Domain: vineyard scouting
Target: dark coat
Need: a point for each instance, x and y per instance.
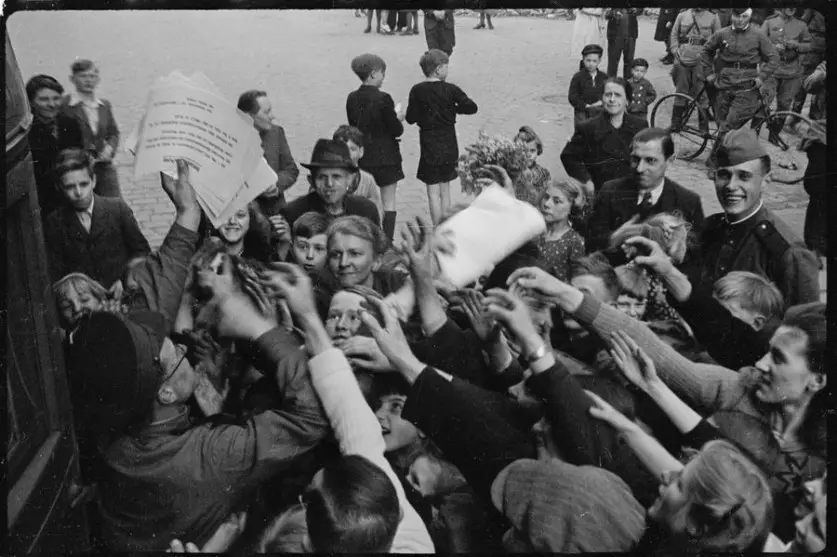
(614, 25)
(107, 133)
(667, 15)
(598, 152)
(373, 112)
(617, 202)
(278, 155)
(45, 148)
(113, 240)
(352, 205)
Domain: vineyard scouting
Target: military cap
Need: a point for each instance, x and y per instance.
(739, 146)
(742, 11)
(592, 49)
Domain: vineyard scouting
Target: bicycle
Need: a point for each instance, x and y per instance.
(690, 141)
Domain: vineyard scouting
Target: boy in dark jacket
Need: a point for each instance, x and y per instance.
(373, 112)
(587, 86)
(643, 93)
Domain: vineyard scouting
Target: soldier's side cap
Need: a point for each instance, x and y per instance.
(739, 146)
(592, 49)
(740, 11)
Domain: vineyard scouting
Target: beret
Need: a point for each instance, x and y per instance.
(739, 146)
(592, 49)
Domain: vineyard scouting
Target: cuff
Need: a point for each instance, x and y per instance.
(328, 363)
(588, 310)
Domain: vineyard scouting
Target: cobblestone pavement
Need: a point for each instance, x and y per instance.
(517, 74)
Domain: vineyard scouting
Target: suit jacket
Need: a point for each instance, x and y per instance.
(598, 152)
(373, 112)
(45, 148)
(107, 133)
(278, 155)
(617, 202)
(430, 22)
(102, 254)
(614, 25)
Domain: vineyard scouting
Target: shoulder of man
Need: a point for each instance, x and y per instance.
(682, 191)
(713, 223)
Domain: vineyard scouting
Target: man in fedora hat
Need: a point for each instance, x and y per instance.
(746, 236)
(161, 474)
(331, 175)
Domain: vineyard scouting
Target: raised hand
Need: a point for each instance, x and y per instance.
(650, 254)
(180, 190)
(607, 413)
(538, 282)
(514, 314)
(364, 353)
(236, 314)
(484, 325)
(293, 285)
(390, 338)
(634, 363)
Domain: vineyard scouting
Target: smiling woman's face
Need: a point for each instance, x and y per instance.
(398, 432)
(351, 259)
(233, 231)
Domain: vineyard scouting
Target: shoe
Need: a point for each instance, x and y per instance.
(480, 26)
(406, 32)
(368, 30)
(667, 60)
(415, 31)
(490, 27)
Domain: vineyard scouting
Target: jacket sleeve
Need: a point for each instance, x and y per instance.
(392, 124)
(804, 40)
(288, 170)
(455, 351)
(705, 387)
(769, 57)
(574, 94)
(674, 39)
(572, 157)
(111, 131)
(162, 275)
(412, 114)
(135, 242)
(650, 93)
(464, 104)
(358, 433)
(707, 57)
(799, 279)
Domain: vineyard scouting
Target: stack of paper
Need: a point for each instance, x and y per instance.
(188, 118)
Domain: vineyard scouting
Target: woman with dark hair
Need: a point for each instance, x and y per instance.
(776, 410)
(600, 148)
(247, 233)
(51, 132)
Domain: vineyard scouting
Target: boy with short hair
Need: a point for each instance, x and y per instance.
(364, 184)
(373, 112)
(643, 92)
(100, 134)
(587, 85)
(433, 105)
(750, 298)
(309, 244)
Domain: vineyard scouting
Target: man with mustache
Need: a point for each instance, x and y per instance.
(746, 236)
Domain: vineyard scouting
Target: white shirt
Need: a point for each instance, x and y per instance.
(91, 109)
(86, 217)
(656, 192)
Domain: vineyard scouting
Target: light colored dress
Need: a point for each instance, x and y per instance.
(589, 28)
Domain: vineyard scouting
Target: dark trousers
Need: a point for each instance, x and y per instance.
(440, 38)
(799, 100)
(816, 216)
(107, 181)
(616, 48)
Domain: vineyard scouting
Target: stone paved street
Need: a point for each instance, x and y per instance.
(517, 74)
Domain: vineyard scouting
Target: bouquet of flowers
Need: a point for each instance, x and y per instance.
(490, 150)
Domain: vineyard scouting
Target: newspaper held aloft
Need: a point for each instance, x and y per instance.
(189, 118)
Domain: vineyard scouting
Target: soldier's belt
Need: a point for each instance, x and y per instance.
(740, 65)
(698, 41)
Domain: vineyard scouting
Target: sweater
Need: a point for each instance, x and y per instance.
(358, 433)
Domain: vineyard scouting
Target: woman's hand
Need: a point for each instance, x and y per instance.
(484, 325)
(391, 340)
(651, 255)
(539, 283)
(634, 363)
(514, 314)
(364, 353)
(180, 190)
(495, 174)
(293, 285)
(235, 313)
(607, 413)
(280, 228)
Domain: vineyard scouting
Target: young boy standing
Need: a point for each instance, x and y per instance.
(100, 134)
(363, 184)
(587, 85)
(643, 92)
(372, 111)
(433, 105)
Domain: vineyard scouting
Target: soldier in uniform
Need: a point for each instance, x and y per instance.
(747, 60)
(812, 58)
(690, 31)
(746, 236)
(791, 38)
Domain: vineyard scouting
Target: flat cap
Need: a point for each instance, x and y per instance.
(592, 49)
(740, 146)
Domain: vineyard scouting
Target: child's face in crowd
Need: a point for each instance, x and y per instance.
(343, 321)
(591, 62)
(531, 151)
(355, 152)
(236, 227)
(670, 508)
(751, 318)
(73, 303)
(77, 187)
(86, 81)
(638, 72)
(263, 117)
(398, 432)
(555, 205)
(332, 184)
(811, 524)
(46, 103)
(631, 306)
(785, 373)
(351, 259)
(311, 252)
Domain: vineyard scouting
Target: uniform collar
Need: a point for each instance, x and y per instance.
(754, 212)
(75, 99)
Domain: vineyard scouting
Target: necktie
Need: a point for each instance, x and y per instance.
(644, 207)
(85, 219)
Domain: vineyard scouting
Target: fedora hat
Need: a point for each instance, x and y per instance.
(329, 153)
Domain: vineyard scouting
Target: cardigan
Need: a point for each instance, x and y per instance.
(358, 433)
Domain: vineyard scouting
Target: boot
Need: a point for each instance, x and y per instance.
(703, 122)
(389, 224)
(676, 115)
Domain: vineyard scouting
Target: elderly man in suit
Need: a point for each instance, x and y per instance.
(644, 192)
(90, 234)
(98, 126)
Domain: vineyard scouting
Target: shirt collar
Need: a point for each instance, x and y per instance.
(75, 99)
(89, 210)
(753, 213)
(656, 192)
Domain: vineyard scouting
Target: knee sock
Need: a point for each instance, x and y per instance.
(389, 224)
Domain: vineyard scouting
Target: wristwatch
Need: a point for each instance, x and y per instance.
(537, 354)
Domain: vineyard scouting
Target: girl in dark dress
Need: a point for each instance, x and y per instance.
(433, 105)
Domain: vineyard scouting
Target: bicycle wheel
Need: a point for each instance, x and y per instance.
(785, 131)
(689, 141)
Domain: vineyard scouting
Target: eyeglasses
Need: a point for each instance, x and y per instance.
(178, 348)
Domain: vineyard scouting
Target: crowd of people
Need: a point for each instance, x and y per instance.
(638, 378)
